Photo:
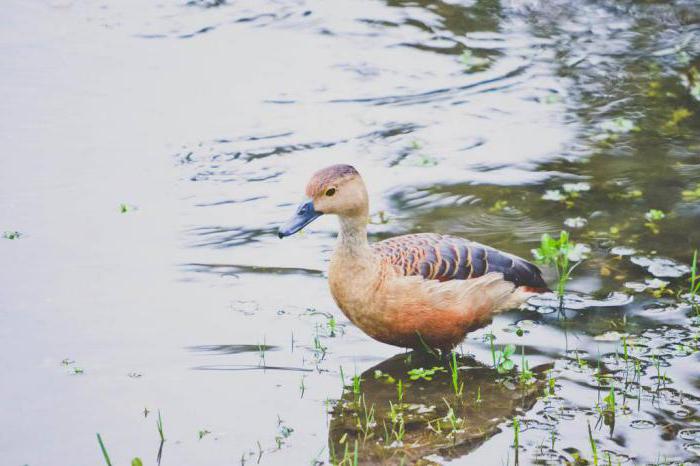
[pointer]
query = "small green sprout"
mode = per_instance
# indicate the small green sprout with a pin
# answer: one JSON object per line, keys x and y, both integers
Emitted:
{"x": 610, "y": 401}
{"x": 202, "y": 433}
{"x": 454, "y": 369}
{"x": 563, "y": 254}
{"x": 516, "y": 439}
{"x": 594, "y": 448}
{"x": 356, "y": 384}
{"x": 492, "y": 337}
{"x": 382, "y": 375}
{"x": 124, "y": 208}
{"x": 503, "y": 362}
{"x": 159, "y": 426}
{"x": 526, "y": 376}
{"x": 104, "y": 450}
{"x": 694, "y": 287}
{"x": 452, "y": 418}
{"x": 283, "y": 432}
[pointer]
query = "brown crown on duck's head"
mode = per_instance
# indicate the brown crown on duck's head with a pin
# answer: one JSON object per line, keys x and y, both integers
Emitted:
{"x": 327, "y": 178}
{"x": 337, "y": 189}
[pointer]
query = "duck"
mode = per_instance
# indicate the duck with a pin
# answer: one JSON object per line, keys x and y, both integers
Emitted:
{"x": 419, "y": 291}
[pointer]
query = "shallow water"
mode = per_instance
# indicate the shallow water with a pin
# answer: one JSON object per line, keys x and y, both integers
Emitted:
{"x": 206, "y": 119}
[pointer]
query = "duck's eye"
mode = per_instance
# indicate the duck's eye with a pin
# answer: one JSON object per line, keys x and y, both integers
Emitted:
{"x": 330, "y": 192}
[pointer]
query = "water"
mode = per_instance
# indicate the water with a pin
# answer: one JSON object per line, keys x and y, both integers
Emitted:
{"x": 206, "y": 119}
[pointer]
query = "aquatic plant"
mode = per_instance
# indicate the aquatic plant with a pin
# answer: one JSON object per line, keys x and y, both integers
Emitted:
{"x": 201, "y": 433}
{"x": 492, "y": 337}
{"x": 124, "y": 208}
{"x": 366, "y": 420}
{"x": 471, "y": 61}
{"x": 526, "y": 376}
{"x": 331, "y": 325}
{"x": 563, "y": 254}
{"x": 516, "y": 438}
{"x": 594, "y": 448}
{"x": 283, "y": 432}
{"x": 398, "y": 430}
{"x": 356, "y": 385}
{"x": 676, "y": 118}
{"x": 451, "y": 417}
{"x": 691, "y": 195}
{"x": 653, "y": 216}
{"x": 567, "y": 194}
{"x": 503, "y": 362}
{"x": 12, "y": 235}
{"x": 159, "y": 426}
{"x": 551, "y": 385}
{"x": 319, "y": 349}
{"x": 694, "y": 287}
{"x": 104, "y": 450}
{"x": 381, "y": 375}
{"x": 609, "y": 401}
{"x": 498, "y": 206}
{"x": 261, "y": 352}
{"x": 426, "y": 374}
{"x": 456, "y": 386}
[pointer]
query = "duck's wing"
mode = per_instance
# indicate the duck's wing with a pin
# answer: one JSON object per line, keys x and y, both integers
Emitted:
{"x": 444, "y": 258}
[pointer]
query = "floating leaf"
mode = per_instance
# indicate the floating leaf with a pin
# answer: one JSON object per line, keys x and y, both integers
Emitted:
{"x": 12, "y": 235}
{"x": 553, "y": 195}
{"x": 622, "y": 251}
{"x": 661, "y": 267}
{"x": 610, "y": 336}
{"x": 471, "y": 61}
{"x": 576, "y": 187}
{"x": 578, "y": 252}
{"x": 619, "y": 125}
{"x": 575, "y": 222}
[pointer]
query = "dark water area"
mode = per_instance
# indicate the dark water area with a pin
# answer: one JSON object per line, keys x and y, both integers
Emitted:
{"x": 151, "y": 150}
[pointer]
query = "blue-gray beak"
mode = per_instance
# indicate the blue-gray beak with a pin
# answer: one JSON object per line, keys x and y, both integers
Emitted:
{"x": 305, "y": 215}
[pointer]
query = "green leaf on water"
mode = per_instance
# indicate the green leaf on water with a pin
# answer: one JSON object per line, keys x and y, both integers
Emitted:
{"x": 619, "y": 125}
{"x": 471, "y": 61}
{"x": 136, "y": 462}
{"x": 691, "y": 195}
{"x": 12, "y": 235}
{"x": 677, "y": 116}
{"x": 654, "y": 215}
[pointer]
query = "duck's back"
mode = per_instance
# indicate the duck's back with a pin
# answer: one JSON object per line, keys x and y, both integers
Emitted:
{"x": 444, "y": 257}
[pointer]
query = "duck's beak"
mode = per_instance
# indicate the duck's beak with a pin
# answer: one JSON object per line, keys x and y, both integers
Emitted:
{"x": 305, "y": 215}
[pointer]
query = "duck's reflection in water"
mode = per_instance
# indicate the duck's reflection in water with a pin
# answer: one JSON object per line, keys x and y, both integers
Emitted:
{"x": 405, "y": 409}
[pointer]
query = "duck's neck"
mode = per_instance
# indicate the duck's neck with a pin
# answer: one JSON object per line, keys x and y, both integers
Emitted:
{"x": 352, "y": 240}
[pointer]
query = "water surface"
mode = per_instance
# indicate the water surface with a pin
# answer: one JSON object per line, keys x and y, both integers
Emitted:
{"x": 205, "y": 119}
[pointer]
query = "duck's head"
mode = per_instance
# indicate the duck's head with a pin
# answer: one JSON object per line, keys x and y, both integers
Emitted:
{"x": 338, "y": 190}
